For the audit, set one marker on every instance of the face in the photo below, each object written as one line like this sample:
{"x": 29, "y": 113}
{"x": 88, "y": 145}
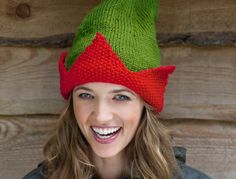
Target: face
{"x": 108, "y": 116}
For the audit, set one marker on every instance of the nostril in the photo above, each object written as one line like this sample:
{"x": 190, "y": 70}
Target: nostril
{"x": 103, "y": 116}
{"x": 103, "y": 112}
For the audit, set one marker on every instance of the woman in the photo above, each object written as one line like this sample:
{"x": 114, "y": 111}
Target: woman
{"x": 115, "y": 88}
{"x": 109, "y": 132}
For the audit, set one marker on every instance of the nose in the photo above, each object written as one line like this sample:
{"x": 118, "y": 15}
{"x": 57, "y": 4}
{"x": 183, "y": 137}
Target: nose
{"x": 103, "y": 112}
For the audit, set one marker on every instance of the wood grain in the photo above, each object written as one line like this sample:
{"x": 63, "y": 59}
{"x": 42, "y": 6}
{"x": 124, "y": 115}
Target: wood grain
{"x": 29, "y": 81}
{"x": 46, "y": 17}
{"x": 203, "y": 86}
{"x": 21, "y": 143}
{"x": 197, "y": 16}
{"x": 211, "y": 145}
{"x": 202, "y": 22}
{"x": 200, "y": 39}
{"x": 60, "y": 41}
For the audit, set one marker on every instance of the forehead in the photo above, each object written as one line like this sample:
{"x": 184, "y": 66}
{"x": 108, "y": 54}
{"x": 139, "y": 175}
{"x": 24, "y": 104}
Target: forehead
{"x": 105, "y": 87}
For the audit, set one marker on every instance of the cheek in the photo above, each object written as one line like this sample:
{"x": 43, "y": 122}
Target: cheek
{"x": 132, "y": 116}
{"x": 81, "y": 113}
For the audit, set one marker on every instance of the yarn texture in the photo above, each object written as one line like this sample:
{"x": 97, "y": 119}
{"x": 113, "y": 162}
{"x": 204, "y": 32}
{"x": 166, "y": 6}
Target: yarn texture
{"x": 116, "y": 43}
{"x": 98, "y": 63}
{"x": 129, "y": 27}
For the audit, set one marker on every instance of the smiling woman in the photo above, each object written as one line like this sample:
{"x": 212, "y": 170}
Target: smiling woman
{"x": 107, "y": 114}
{"x": 108, "y": 131}
{"x": 115, "y": 86}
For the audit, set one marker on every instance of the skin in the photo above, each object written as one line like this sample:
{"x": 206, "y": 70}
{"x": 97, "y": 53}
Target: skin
{"x": 107, "y": 105}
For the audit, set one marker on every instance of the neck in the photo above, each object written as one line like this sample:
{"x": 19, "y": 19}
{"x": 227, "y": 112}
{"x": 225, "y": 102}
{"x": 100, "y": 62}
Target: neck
{"x": 110, "y": 168}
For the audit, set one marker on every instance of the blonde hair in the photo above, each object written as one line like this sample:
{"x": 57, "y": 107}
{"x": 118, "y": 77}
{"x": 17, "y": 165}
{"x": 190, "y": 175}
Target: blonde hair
{"x": 150, "y": 153}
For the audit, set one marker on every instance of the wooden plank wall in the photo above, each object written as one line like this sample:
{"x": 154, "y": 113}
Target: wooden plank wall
{"x": 198, "y": 36}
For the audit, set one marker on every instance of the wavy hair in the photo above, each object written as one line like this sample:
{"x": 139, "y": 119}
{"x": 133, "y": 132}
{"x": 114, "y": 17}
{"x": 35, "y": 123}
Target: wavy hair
{"x": 150, "y": 154}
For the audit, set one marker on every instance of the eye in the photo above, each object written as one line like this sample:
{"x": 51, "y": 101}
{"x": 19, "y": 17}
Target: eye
{"x": 121, "y": 97}
{"x": 85, "y": 96}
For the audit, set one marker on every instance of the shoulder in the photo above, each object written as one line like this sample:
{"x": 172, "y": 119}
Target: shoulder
{"x": 37, "y": 173}
{"x": 187, "y": 172}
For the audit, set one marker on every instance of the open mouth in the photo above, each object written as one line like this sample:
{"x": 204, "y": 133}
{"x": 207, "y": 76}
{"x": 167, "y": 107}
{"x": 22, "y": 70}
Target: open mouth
{"x": 105, "y": 135}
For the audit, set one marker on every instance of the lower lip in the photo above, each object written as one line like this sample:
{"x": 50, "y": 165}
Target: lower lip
{"x": 109, "y": 140}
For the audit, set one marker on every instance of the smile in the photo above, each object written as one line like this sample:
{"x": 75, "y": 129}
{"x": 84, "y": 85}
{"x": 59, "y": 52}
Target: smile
{"x": 105, "y": 135}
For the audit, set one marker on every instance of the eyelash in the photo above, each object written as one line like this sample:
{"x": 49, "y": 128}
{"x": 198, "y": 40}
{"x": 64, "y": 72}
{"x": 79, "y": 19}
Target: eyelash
{"x": 85, "y": 96}
{"x": 124, "y": 97}
{"x": 118, "y": 97}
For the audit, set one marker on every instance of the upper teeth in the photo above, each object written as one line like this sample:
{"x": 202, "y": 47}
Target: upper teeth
{"x": 105, "y": 131}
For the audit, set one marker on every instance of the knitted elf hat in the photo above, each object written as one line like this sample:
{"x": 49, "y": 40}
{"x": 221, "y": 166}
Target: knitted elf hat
{"x": 116, "y": 43}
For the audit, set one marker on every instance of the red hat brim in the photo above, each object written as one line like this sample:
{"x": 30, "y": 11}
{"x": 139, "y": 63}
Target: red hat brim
{"x": 98, "y": 63}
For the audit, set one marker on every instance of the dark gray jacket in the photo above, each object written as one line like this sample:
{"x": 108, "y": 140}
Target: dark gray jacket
{"x": 180, "y": 154}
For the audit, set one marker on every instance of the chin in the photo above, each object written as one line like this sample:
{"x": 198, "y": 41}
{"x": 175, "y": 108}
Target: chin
{"x": 106, "y": 153}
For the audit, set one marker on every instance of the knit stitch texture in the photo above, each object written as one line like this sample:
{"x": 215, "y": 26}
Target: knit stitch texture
{"x": 99, "y": 63}
{"x": 129, "y": 27}
{"x": 116, "y": 43}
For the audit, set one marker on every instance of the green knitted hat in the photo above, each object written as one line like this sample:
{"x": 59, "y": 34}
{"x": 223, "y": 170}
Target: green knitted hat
{"x": 129, "y": 27}
{"x": 116, "y": 43}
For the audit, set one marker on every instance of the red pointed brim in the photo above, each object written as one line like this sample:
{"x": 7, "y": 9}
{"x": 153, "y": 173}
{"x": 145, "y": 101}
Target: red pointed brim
{"x": 98, "y": 63}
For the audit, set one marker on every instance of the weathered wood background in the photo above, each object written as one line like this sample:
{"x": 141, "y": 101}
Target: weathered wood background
{"x": 198, "y": 36}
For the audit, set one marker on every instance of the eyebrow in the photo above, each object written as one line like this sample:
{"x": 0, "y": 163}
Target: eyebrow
{"x": 122, "y": 90}
{"x": 113, "y": 91}
{"x": 83, "y": 88}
